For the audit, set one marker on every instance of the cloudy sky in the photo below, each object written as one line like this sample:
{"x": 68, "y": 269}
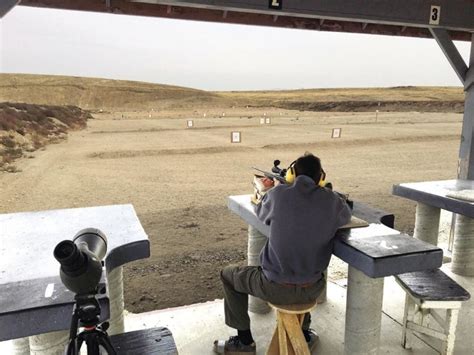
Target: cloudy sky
{"x": 213, "y": 56}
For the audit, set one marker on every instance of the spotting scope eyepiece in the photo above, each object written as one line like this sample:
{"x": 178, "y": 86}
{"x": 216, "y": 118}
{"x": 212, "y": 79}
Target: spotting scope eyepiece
{"x": 80, "y": 259}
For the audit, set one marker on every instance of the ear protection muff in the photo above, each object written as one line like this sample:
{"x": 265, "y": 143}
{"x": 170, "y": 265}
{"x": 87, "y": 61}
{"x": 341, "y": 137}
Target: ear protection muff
{"x": 290, "y": 175}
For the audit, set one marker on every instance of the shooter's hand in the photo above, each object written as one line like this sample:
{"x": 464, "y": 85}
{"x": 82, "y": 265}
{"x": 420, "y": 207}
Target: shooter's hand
{"x": 268, "y": 183}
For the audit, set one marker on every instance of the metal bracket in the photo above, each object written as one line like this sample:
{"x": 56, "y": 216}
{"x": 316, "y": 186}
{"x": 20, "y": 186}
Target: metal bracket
{"x": 470, "y": 72}
{"x": 469, "y": 78}
{"x": 451, "y": 52}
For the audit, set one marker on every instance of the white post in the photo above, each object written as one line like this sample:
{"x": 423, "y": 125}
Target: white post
{"x": 21, "y": 346}
{"x": 463, "y": 249}
{"x": 115, "y": 288}
{"x": 50, "y": 343}
{"x": 256, "y": 242}
{"x": 363, "y": 313}
{"x": 427, "y": 223}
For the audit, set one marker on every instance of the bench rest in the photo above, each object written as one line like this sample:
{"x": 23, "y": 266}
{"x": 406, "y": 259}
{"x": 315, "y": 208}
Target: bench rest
{"x": 152, "y": 341}
{"x": 432, "y": 285}
{"x": 427, "y": 293}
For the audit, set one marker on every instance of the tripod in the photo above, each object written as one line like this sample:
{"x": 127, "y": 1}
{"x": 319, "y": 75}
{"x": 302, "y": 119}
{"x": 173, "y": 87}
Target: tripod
{"x": 87, "y": 314}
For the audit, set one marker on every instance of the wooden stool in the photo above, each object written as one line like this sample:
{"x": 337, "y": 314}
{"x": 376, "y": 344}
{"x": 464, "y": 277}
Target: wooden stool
{"x": 288, "y": 338}
{"x": 427, "y": 291}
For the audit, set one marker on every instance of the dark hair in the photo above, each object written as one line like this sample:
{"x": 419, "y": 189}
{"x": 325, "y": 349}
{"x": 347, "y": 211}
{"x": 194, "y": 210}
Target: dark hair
{"x": 309, "y": 165}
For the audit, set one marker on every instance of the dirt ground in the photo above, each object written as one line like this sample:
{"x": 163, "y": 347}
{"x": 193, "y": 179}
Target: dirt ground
{"x": 178, "y": 180}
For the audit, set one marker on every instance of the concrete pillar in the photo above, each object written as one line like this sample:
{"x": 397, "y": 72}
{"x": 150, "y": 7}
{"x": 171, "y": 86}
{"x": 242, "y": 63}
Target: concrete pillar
{"x": 53, "y": 343}
{"x": 115, "y": 289}
{"x": 427, "y": 223}
{"x": 463, "y": 248}
{"x": 363, "y": 313}
{"x": 256, "y": 242}
{"x": 21, "y": 346}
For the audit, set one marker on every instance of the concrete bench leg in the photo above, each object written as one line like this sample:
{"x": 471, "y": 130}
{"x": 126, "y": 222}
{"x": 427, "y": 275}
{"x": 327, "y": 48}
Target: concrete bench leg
{"x": 53, "y": 343}
{"x": 427, "y": 223}
{"x": 115, "y": 288}
{"x": 463, "y": 249}
{"x": 256, "y": 242}
{"x": 21, "y": 346}
{"x": 363, "y": 313}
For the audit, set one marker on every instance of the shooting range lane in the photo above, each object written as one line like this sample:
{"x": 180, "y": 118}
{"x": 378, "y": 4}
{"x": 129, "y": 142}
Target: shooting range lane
{"x": 30, "y": 285}
{"x": 372, "y": 253}
{"x": 451, "y": 195}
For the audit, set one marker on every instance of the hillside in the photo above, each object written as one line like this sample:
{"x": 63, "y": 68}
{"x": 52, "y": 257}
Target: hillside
{"x": 25, "y": 128}
{"x": 404, "y": 98}
{"x": 95, "y": 94}
{"x": 119, "y": 95}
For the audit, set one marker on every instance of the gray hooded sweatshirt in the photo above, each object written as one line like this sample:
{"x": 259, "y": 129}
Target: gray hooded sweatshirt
{"x": 303, "y": 219}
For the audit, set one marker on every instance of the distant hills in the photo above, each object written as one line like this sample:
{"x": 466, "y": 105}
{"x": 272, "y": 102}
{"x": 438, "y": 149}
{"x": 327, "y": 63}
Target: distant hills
{"x": 120, "y": 95}
{"x": 90, "y": 93}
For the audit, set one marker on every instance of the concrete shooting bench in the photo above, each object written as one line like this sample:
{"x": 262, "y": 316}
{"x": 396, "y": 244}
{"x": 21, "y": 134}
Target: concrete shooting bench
{"x": 33, "y": 300}
{"x": 372, "y": 253}
{"x": 456, "y": 196}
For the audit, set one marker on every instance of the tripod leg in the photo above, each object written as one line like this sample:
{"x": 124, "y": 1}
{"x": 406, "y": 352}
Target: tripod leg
{"x": 104, "y": 341}
{"x": 92, "y": 344}
{"x": 78, "y": 343}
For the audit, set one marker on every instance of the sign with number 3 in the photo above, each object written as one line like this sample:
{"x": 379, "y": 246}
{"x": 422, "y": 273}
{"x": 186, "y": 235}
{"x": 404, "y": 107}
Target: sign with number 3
{"x": 434, "y": 15}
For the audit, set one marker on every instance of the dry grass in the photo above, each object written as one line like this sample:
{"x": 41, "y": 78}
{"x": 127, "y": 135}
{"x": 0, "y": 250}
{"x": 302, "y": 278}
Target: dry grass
{"x": 118, "y": 95}
{"x": 397, "y": 99}
{"x": 26, "y": 127}
{"x": 402, "y": 93}
{"x": 90, "y": 93}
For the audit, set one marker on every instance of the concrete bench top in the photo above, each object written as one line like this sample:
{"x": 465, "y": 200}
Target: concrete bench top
{"x": 27, "y": 239}
{"x": 434, "y": 193}
{"x": 376, "y": 250}
{"x": 29, "y": 274}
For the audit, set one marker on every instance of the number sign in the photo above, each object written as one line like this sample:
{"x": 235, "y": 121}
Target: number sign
{"x": 434, "y": 15}
{"x": 275, "y": 4}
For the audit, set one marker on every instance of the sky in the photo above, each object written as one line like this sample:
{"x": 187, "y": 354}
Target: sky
{"x": 214, "y": 56}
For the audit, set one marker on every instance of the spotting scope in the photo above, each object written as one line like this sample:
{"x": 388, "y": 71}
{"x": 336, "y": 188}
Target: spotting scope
{"x": 81, "y": 260}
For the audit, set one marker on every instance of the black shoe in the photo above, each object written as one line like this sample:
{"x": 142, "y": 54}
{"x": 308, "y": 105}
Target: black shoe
{"x": 234, "y": 346}
{"x": 313, "y": 339}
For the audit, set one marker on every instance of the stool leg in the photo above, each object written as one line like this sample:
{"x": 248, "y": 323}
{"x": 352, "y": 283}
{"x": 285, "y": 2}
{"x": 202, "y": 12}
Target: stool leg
{"x": 282, "y": 340}
{"x": 274, "y": 343}
{"x": 293, "y": 329}
{"x": 450, "y": 331}
{"x": 405, "y": 321}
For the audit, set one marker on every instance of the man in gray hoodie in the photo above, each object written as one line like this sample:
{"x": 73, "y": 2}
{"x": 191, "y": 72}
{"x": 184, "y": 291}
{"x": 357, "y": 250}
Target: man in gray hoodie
{"x": 303, "y": 219}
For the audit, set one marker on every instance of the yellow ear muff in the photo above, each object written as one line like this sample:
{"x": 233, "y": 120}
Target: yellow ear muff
{"x": 322, "y": 180}
{"x": 290, "y": 175}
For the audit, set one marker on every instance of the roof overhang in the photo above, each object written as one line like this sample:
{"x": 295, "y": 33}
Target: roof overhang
{"x": 411, "y": 18}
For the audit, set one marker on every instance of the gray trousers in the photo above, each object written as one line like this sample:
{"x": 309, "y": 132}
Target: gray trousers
{"x": 241, "y": 281}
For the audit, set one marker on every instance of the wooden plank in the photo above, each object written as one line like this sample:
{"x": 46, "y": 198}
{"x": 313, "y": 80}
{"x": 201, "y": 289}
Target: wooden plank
{"x": 295, "y": 334}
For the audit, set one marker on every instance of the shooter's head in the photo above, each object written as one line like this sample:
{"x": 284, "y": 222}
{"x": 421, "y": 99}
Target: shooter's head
{"x": 309, "y": 165}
